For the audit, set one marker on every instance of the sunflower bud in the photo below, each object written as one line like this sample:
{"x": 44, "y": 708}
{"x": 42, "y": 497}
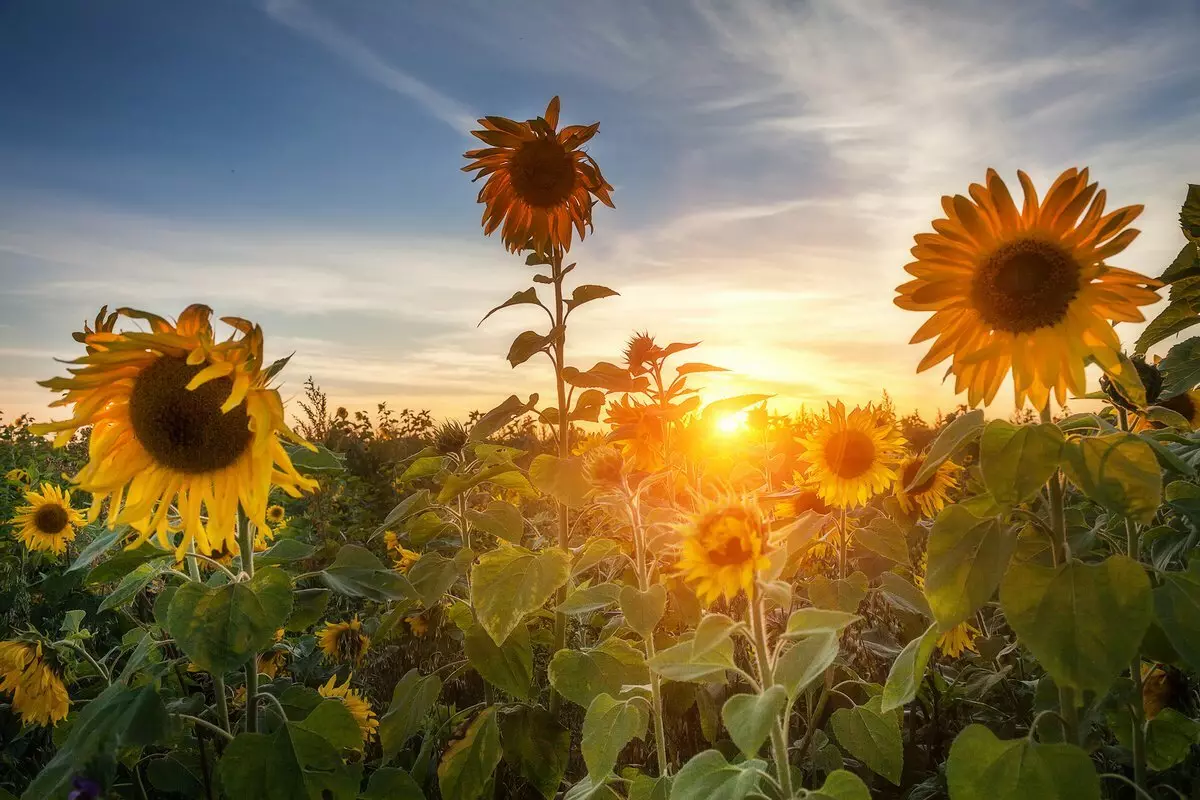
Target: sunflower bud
{"x": 450, "y": 437}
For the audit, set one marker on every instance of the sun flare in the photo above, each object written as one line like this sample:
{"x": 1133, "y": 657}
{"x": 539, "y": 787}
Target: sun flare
{"x": 731, "y": 423}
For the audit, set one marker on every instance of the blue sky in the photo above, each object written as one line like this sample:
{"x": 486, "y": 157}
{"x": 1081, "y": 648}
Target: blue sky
{"x": 296, "y": 162}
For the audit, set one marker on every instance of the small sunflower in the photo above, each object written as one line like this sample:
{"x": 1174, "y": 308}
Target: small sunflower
{"x": 588, "y": 443}
{"x": 48, "y": 522}
{"x": 450, "y": 438}
{"x": 1187, "y": 405}
{"x": 959, "y": 639}
{"x": 539, "y": 183}
{"x": 179, "y": 420}
{"x": 808, "y": 499}
{"x": 724, "y": 549}
{"x": 932, "y": 495}
{"x": 418, "y": 624}
{"x": 36, "y": 686}
{"x": 276, "y": 516}
{"x": 639, "y": 430}
{"x": 1026, "y": 290}
{"x": 852, "y": 457}
{"x": 604, "y": 467}
{"x": 355, "y": 703}
{"x": 344, "y": 642}
{"x": 18, "y": 475}
{"x": 405, "y": 558}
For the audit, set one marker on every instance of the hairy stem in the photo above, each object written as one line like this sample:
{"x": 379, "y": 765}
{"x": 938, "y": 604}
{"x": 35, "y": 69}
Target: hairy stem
{"x": 639, "y": 543}
{"x": 766, "y": 673}
{"x": 564, "y": 448}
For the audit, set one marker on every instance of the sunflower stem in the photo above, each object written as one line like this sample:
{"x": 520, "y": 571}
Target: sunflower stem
{"x": 766, "y": 673}
{"x": 246, "y": 551}
{"x": 639, "y": 543}
{"x": 564, "y": 448}
{"x": 193, "y": 567}
{"x": 1132, "y": 548}
{"x": 843, "y": 545}
{"x": 1062, "y": 554}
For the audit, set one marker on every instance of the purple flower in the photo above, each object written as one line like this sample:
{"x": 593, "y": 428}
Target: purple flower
{"x": 85, "y": 789}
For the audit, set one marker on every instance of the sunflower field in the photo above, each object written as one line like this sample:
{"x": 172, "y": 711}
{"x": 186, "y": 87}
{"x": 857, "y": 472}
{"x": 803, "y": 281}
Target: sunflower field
{"x": 618, "y": 590}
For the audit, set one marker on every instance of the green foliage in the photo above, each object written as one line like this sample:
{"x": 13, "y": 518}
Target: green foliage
{"x": 983, "y": 767}
{"x": 968, "y": 557}
{"x": 872, "y": 736}
{"x": 509, "y": 582}
{"x": 468, "y": 764}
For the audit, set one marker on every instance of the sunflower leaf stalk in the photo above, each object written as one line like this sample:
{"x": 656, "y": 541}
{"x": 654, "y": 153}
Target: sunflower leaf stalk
{"x": 766, "y": 674}
{"x": 1138, "y": 732}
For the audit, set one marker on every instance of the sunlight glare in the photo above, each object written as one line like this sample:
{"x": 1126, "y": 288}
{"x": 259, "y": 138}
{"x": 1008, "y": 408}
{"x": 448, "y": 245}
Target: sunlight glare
{"x": 732, "y": 423}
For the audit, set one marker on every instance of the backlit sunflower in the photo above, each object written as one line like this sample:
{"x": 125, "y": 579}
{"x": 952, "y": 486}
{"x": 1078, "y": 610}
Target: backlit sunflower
{"x": 639, "y": 429}
{"x": 723, "y": 550}
{"x": 17, "y": 475}
{"x": 36, "y": 686}
{"x": 179, "y": 421}
{"x": 344, "y": 642}
{"x": 932, "y": 495}
{"x": 539, "y": 183}
{"x": 807, "y": 499}
{"x": 1025, "y": 290}
{"x": 48, "y": 522}
{"x": 589, "y": 442}
{"x": 852, "y": 457}
{"x": 405, "y": 558}
{"x": 1187, "y": 405}
{"x": 276, "y": 516}
{"x": 355, "y": 703}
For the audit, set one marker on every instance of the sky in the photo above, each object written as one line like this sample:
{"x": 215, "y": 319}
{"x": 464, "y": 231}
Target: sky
{"x": 297, "y": 163}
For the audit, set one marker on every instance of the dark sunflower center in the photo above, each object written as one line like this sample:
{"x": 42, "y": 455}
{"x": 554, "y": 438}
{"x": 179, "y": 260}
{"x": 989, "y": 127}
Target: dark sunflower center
{"x": 185, "y": 430}
{"x": 909, "y": 472}
{"x": 1025, "y": 285}
{"x": 1181, "y": 404}
{"x": 50, "y": 518}
{"x": 850, "y": 453}
{"x": 543, "y": 172}
{"x": 731, "y": 551}
{"x": 809, "y": 501}
{"x": 350, "y": 644}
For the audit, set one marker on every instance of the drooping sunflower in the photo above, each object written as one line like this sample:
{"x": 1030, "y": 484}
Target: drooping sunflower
{"x": 958, "y": 640}
{"x": 17, "y": 475}
{"x": 405, "y": 558}
{"x": 1026, "y": 290}
{"x": 358, "y": 706}
{"x": 276, "y": 516}
{"x": 36, "y": 685}
{"x": 179, "y": 421}
{"x": 724, "y": 547}
{"x": 48, "y": 522}
{"x": 932, "y": 495}
{"x": 273, "y": 660}
{"x": 852, "y": 457}
{"x": 807, "y": 499}
{"x": 539, "y": 183}
{"x": 1187, "y": 405}
{"x": 344, "y": 642}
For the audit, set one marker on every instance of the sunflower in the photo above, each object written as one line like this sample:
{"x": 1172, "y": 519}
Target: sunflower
{"x": 589, "y": 442}
{"x": 276, "y": 516}
{"x": 639, "y": 429}
{"x": 179, "y": 420}
{"x": 48, "y": 522}
{"x": 539, "y": 183}
{"x": 18, "y": 475}
{"x": 418, "y": 625}
{"x": 1187, "y": 405}
{"x": 1027, "y": 290}
{"x": 959, "y": 639}
{"x": 344, "y": 642}
{"x": 355, "y": 703}
{"x": 405, "y": 558}
{"x": 932, "y": 495}
{"x": 604, "y": 467}
{"x": 852, "y": 457}
{"x": 808, "y": 498}
{"x": 724, "y": 549}
{"x": 273, "y": 660}
{"x": 37, "y": 689}
{"x": 391, "y": 541}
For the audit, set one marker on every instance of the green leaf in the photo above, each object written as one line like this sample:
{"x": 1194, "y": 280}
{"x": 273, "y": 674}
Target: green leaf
{"x": 842, "y": 594}
{"x": 1181, "y": 367}
{"x": 680, "y": 663}
{"x": 1083, "y": 622}
{"x": 458, "y": 483}
{"x": 872, "y": 737}
{"x": 561, "y": 478}
{"x": 1186, "y": 264}
{"x": 468, "y": 764}
{"x": 712, "y": 631}
{"x": 708, "y": 775}
{"x": 132, "y": 585}
{"x": 1189, "y": 214}
{"x": 693, "y": 367}
{"x": 509, "y": 582}
{"x": 1174, "y": 319}
{"x": 523, "y": 297}
{"x": 967, "y": 559}
{"x": 536, "y": 746}
{"x": 390, "y": 783}
{"x": 120, "y": 565}
{"x": 316, "y": 459}
{"x": 953, "y": 437}
{"x": 284, "y": 551}
{"x": 841, "y": 785}
{"x": 807, "y": 621}
{"x": 432, "y": 576}
{"x": 290, "y": 763}
{"x": 730, "y": 405}
{"x": 586, "y": 293}
{"x": 1118, "y": 471}
{"x": 581, "y": 675}
{"x": 900, "y": 592}
{"x": 883, "y": 536}
{"x": 750, "y": 718}
{"x": 501, "y": 415}
{"x": 308, "y": 606}
{"x": 425, "y": 527}
{"x": 1127, "y": 382}
{"x": 97, "y": 547}
{"x": 1177, "y": 606}
{"x": 500, "y": 519}
{"x": 908, "y": 670}
{"x": 423, "y": 467}
{"x": 508, "y": 666}
{"x": 983, "y": 767}
{"x": 588, "y": 406}
{"x": 333, "y": 722}
{"x": 644, "y": 610}
{"x": 1017, "y": 460}
{"x": 410, "y": 506}
{"x": 590, "y": 599}
{"x": 595, "y": 551}
{"x": 806, "y": 661}
{"x": 413, "y": 698}
{"x": 608, "y": 726}
{"x": 356, "y": 572}
{"x": 220, "y": 628}
{"x": 1169, "y": 739}
{"x": 586, "y": 789}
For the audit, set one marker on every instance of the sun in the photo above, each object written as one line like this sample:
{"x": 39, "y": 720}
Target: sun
{"x": 731, "y": 423}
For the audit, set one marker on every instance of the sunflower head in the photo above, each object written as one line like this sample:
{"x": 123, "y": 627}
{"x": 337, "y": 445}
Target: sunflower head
{"x": 47, "y": 522}
{"x": 276, "y": 516}
{"x": 34, "y": 682}
{"x": 807, "y": 499}
{"x": 344, "y": 642}
{"x": 724, "y": 548}
{"x": 405, "y": 558}
{"x": 587, "y": 443}
{"x": 1186, "y": 405}
{"x": 640, "y": 353}
{"x": 1025, "y": 290}
{"x": 958, "y": 640}
{"x": 604, "y": 468}
{"x": 1150, "y": 377}
{"x": 852, "y": 457}
{"x": 179, "y": 420}
{"x": 932, "y": 494}
{"x": 449, "y": 437}
{"x": 358, "y": 706}
{"x": 539, "y": 184}
{"x": 418, "y": 624}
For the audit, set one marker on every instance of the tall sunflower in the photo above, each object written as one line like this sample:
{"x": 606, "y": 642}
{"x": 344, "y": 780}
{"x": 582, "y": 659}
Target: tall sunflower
{"x": 932, "y": 494}
{"x": 539, "y": 183}
{"x": 179, "y": 421}
{"x": 36, "y": 685}
{"x": 48, "y": 522}
{"x": 1025, "y": 291}
{"x": 724, "y": 548}
{"x": 852, "y": 457}
{"x": 344, "y": 642}
{"x": 358, "y": 706}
